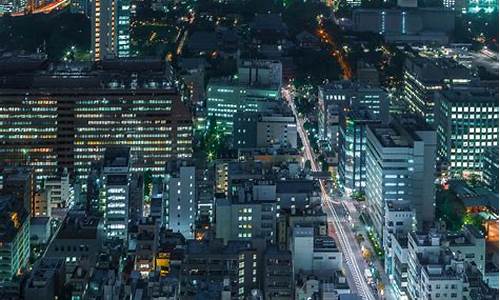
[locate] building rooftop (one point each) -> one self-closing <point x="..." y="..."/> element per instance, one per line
<point x="202" y="41"/>
<point x="295" y="186"/>
<point x="471" y="94"/>
<point x="303" y="231"/>
<point x="113" y="75"/>
<point x="437" y="70"/>
<point x="79" y="227"/>
<point x="399" y="133"/>
<point x="398" y="206"/>
<point x="216" y="247"/>
<point x="116" y="157"/>
<point x="325" y="244"/>
<point x="39" y="220"/>
<point x="474" y="196"/>
<point x="268" y="22"/>
<point x="44" y="271"/>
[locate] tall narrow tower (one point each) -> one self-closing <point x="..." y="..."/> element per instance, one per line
<point x="110" y="29"/>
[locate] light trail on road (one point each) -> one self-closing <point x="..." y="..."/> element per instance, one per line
<point x="338" y="53"/>
<point x="45" y="9"/>
<point x="361" y="286"/>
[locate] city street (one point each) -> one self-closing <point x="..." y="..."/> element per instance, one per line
<point x="344" y="236"/>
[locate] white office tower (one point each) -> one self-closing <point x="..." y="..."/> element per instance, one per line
<point x="400" y="166"/>
<point x="179" y="196"/>
<point x="116" y="192"/>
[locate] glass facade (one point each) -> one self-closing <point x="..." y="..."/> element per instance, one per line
<point x="467" y="126"/>
<point x="72" y="131"/>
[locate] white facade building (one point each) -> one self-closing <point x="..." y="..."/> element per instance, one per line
<point x="400" y="166"/>
<point x="180" y="198"/>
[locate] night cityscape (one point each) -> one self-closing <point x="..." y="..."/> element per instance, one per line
<point x="249" y="149"/>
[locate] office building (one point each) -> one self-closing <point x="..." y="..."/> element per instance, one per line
<point x="260" y="71"/>
<point x="352" y="151"/>
<point x="46" y="280"/>
<point x="235" y="266"/>
<point x="400" y="165"/>
<point x="296" y="194"/>
<point x="335" y="96"/>
<point x="78" y="240"/>
<point x="256" y="88"/>
<point x="423" y="77"/>
<point x="179" y="195"/>
<point x="71" y="113"/>
<point x="14" y="237"/>
<point x="110" y="29"/>
<point x="314" y="253"/>
<point x="116" y="191"/>
<point x="406" y="25"/>
<point x="263" y="130"/>
<point x="467" y="125"/>
<point x="227" y="97"/>
<point x="248" y="213"/>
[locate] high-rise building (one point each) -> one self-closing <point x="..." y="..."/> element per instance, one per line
<point x="400" y="165"/>
<point x="423" y="77"/>
<point x="352" y="151"/>
<point x="66" y="116"/>
<point x="227" y="97"/>
<point x="179" y="196"/>
<point x="14" y="237"/>
<point x="335" y="96"/>
<point x="116" y="190"/>
<point x="467" y="125"/>
<point x="256" y="88"/>
<point x="110" y="29"/>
